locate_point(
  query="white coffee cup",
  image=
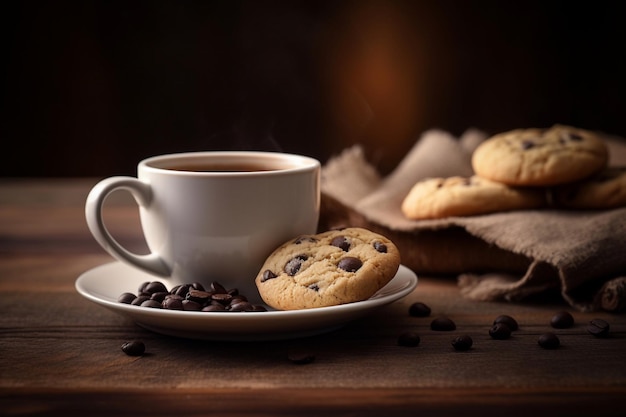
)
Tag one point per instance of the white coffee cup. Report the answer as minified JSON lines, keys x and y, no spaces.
{"x":213,"y":216}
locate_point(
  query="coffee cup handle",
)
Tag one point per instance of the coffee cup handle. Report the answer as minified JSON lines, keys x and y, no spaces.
{"x":142,"y":193}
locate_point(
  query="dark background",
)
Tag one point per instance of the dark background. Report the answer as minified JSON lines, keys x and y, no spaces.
{"x":92,"y":87}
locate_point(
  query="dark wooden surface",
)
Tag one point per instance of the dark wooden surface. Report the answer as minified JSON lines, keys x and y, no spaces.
{"x":60,"y":354}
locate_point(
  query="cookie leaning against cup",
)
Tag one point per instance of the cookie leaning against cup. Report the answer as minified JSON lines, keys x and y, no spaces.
{"x":436,"y":198}
{"x":326,"y":269}
{"x":605,"y":190}
{"x":540,"y":157}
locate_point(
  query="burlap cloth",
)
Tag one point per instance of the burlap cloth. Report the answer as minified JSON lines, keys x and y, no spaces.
{"x":504,"y":256}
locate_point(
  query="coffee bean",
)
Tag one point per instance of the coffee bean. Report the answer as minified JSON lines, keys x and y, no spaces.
{"x":341,"y":242}
{"x":562,"y":320}
{"x":300,"y":357}
{"x":155,"y":286}
{"x":598,"y":328}
{"x":350,"y":264}
{"x":134,"y":348}
{"x":419,"y":309}
{"x":508,"y":320}
{"x":463,"y":342}
{"x":409,"y":339}
{"x":126,"y":298}
{"x":214,"y":307}
{"x":442,"y":324}
{"x":182,"y":290}
{"x":241,"y":306}
{"x":500,"y":331}
{"x":294,"y":264}
{"x":140,"y":299}
{"x":174,"y":302}
{"x":151,"y":303}
{"x":189,"y":305}
{"x":197,"y":286}
{"x":218,"y":288}
{"x":200,"y":297}
{"x":549,"y":341}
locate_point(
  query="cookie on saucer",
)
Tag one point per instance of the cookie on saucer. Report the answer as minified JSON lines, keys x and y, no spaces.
{"x":605,"y":190}
{"x":540,"y":157}
{"x":326,"y":269}
{"x":436,"y":198}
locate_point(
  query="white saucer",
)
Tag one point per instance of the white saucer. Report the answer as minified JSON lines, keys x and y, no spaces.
{"x":105,"y":283}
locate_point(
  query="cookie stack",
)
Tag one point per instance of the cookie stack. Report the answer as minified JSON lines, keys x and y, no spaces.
{"x":559,"y":167}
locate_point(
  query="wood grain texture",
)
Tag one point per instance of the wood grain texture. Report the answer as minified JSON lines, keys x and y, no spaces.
{"x":60,"y":353}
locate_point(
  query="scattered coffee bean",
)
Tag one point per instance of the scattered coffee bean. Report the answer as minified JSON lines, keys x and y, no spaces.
{"x":508,"y":320}
{"x":409,"y":339}
{"x":300,"y":358}
{"x":134,"y":348}
{"x":442,"y":324}
{"x":549,"y":341}
{"x":500,"y":331}
{"x":350,"y":264}
{"x":190,"y":297}
{"x":419,"y":309}
{"x":463,"y":342}
{"x":562,"y":320}
{"x":598,"y":328}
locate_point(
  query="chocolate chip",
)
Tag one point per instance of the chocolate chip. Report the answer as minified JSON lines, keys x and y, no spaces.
{"x":575,"y":137}
{"x":562,"y":320}
{"x":442,"y":324}
{"x":294,"y":264}
{"x":134,"y":348}
{"x":341,"y":242}
{"x":508,"y":320}
{"x":462,"y":343}
{"x":126,"y":298}
{"x":267,"y":274}
{"x":419,"y":309}
{"x":314,"y":287}
{"x":549,"y":341}
{"x":380,"y":247}
{"x":408,"y":339}
{"x":350,"y":264}
{"x":598,"y":328}
{"x":500,"y":331}
{"x":527,"y":144}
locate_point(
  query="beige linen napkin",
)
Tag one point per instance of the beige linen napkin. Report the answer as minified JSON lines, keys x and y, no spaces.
{"x":501,"y":256}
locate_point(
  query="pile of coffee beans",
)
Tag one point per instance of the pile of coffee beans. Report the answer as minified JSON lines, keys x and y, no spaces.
{"x":190,"y":297}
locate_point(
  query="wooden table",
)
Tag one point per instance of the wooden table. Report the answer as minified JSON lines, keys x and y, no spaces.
{"x":60,"y":353}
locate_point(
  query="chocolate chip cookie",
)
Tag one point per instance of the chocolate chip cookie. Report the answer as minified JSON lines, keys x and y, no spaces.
{"x":540,"y":157}
{"x":326,"y":269}
{"x":602,"y":191}
{"x":436,"y":198}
